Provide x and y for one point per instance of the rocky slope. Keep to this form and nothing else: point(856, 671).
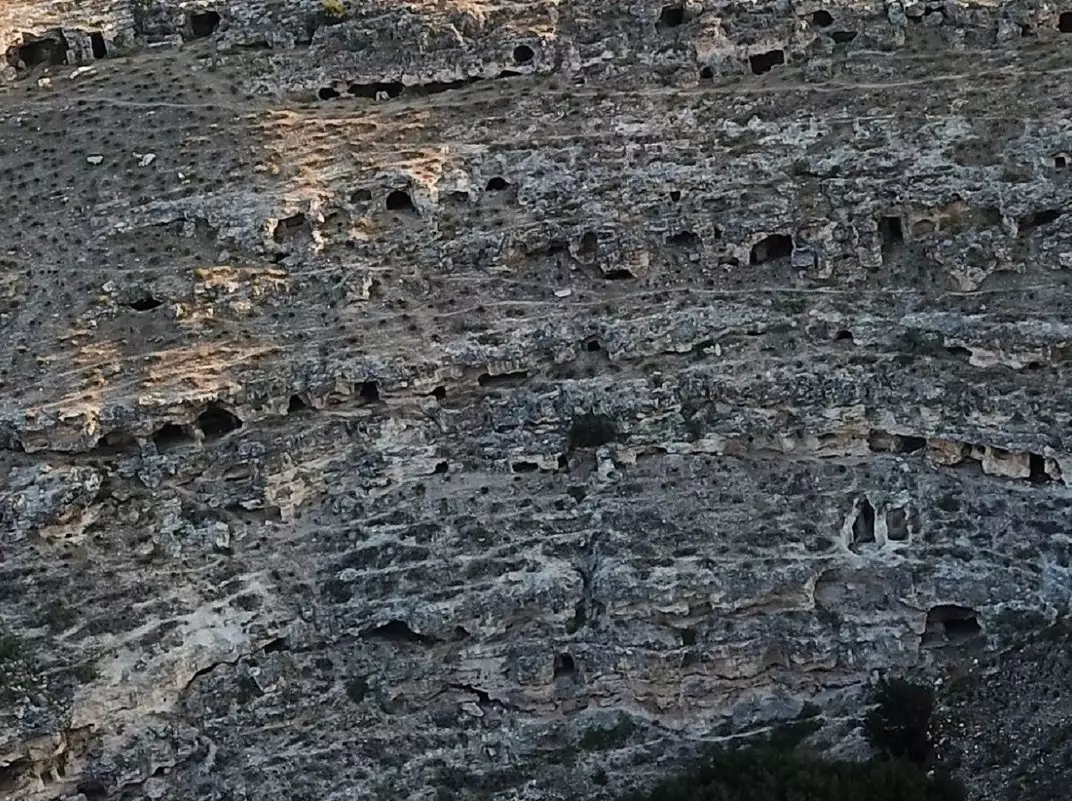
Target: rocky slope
point(471, 400)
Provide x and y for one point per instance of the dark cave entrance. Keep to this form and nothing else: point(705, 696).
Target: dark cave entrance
point(950, 624)
point(204, 23)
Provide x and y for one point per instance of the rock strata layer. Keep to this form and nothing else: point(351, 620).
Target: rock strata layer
point(413, 401)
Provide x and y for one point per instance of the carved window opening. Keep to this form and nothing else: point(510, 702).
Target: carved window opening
point(843, 37)
point(328, 93)
point(296, 405)
point(765, 62)
point(1037, 463)
point(863, 527)
point(523, 54)
point(370, 391)
point(891, 232)
point(100, 49)
point(896, 525)
point(497, 184)
point(1064, 22)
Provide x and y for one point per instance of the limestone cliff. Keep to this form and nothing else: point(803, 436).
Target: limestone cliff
point(404, 400)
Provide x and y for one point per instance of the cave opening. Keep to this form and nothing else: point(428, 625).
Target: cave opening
point(47, 50)
point(765, 62)
point(671, 16)
point(523, 54)
point(769, 248)
point(216, 421)
point(372, 90)
point(171, 436)
point(891, 232)
point(204, 23)
point(399, 200)
point(564, 665)
point(822, 18)
point(951, 624)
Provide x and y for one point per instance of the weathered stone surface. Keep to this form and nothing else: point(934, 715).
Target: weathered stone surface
point(452, 400)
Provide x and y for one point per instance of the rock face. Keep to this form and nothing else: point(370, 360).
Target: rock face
point(412, 401)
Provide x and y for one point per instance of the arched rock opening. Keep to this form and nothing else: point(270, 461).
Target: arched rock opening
point(950, 624)
point(217, 421)
point(769, 248)
point(399, 200)
point(765, 62)
point(523, 54)
point(203, 23)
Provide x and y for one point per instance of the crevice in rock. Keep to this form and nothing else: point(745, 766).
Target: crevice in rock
point(513, 379)
point(1038, 219)
point(397, 631)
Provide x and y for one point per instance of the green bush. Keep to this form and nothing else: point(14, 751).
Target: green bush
point(765, 773)
point(591, 431)
point(899, 725)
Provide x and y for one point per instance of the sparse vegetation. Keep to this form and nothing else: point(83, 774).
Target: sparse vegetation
point(335, 8)
point(780, 769)
point(765, 773)
point(59, 616)
point(591, 431)
point(899, 726)
point(357, 688)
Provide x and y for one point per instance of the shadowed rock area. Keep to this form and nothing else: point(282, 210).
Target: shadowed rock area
point(449, 401)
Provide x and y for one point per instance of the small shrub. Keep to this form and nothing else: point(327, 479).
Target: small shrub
point(899, 725)
point(765, 773)
point(591, 431)
point(59, 616)
point(335, 8)
point(356, 689)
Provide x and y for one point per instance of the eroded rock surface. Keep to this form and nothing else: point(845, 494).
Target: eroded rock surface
point(475, 400)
